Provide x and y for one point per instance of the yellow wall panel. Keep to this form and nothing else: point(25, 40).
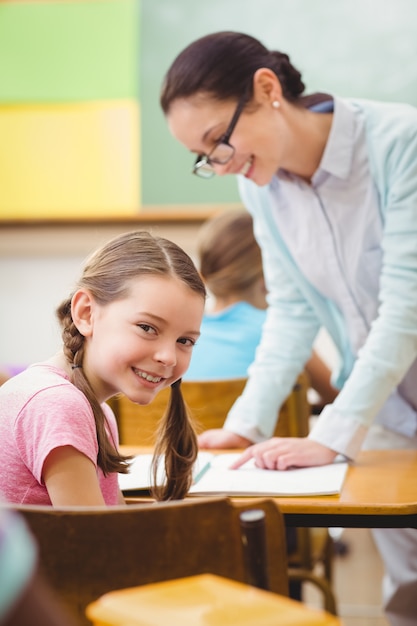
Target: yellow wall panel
point(76, 160)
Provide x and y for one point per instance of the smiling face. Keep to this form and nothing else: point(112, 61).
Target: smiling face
point(142, 343)
point(260, 137)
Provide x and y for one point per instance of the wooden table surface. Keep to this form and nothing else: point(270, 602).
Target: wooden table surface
point(202, 600)
point(380, 490)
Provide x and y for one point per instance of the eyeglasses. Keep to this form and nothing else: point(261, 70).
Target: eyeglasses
point(222, 152)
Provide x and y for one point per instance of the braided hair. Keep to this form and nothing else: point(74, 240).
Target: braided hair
point(107, 275)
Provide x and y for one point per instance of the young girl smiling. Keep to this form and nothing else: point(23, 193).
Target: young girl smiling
point(129, 327)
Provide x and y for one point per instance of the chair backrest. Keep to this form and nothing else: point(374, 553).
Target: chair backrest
point(209, 403)
point(86, 552)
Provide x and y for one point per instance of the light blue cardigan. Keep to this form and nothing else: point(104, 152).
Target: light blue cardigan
point(297, 310)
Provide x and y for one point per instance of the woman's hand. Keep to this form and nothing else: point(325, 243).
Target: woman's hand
point(221, 438)
point(280, 453)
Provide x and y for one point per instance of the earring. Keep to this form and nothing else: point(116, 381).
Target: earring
point(276, 104)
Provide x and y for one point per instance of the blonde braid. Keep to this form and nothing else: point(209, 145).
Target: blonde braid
point(108, 458)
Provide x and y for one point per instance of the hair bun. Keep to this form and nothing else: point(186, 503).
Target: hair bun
point(290, 77)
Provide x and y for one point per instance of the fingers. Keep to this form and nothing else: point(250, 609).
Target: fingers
point(244, 457)
point(256, 452)
point(278, 453)
point(281, 453)
point(274, 460)
point(271, 460)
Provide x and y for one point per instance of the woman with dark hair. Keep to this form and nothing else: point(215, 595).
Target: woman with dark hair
point(331, 184)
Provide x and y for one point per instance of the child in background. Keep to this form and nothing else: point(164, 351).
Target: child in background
point(129, 327)
point(230, 263)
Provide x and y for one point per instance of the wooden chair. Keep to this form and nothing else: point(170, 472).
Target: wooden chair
point(209, 403)
point(88, 551)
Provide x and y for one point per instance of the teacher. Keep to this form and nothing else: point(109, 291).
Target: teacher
point(331, 184)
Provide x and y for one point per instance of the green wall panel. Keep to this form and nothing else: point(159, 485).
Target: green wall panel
point(67, 51)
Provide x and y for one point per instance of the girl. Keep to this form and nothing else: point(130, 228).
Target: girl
point(332, 187)
point(129, 327)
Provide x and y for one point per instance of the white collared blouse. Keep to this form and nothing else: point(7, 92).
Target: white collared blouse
point(341, 253)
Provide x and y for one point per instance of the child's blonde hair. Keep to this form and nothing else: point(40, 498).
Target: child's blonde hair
point(230, 258)
point(107, 275)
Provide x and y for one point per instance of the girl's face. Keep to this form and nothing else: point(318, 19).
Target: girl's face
point(143, 343)
point(259, 137)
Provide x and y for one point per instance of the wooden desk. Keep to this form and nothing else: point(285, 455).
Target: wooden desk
point(380, 491)
point(202, 600)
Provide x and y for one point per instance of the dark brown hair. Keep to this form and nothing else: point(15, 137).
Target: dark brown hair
point(107, 275)
point(223, 64)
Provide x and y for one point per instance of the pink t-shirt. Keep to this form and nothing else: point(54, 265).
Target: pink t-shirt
point(40, 409)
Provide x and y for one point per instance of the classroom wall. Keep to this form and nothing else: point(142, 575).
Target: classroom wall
point(69, 109)
point(80, 83)
point(365, 48)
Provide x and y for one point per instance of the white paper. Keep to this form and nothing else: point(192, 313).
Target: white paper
point(213, 477)
point(249, 480)
point(140, 475)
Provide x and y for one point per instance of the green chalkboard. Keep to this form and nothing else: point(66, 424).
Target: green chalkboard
point(362, 48)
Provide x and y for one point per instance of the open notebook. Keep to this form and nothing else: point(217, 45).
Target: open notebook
point(212, 476)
